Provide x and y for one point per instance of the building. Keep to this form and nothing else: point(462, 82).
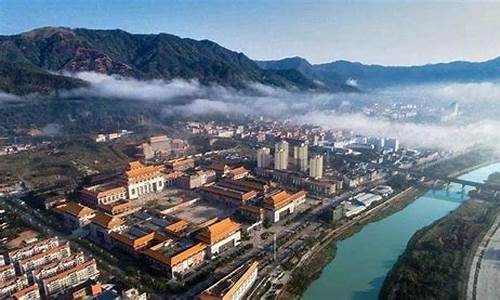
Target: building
point(220, 236)
point(9, 287)
point(264, 157)
point(161, 145)
point(392, 144)
point(180, 164)
point(297, 179)
point(281, 204)
point(316, 167)
point(105, 193)
point(247, 184)
point(31, 249)
point(31, 292)
point(75, 215)
point(58, 283)
point(300, 156)
point(101, 226)
point(133, 294)
point(89, 289)
point(56, 267)
point(135, 238)
point(172, 257)
point(141, 180)
point(234, 286)
point(281, 156)
point(7, 272)
point(119, 208)
point(34, 262)
point(196, 179)
point(225, 193)
point(238, 173)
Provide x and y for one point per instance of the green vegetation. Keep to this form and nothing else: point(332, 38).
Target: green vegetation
point(63, 166)
point(435, 263)
point(461, 163)
point(494, 178)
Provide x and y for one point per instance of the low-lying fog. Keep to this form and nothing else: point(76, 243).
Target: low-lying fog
point(478, 124)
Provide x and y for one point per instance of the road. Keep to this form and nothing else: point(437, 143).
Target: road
point(484, 278)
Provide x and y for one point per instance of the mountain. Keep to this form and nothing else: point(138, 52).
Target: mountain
point(372, 76)
point(23, 79)
point(142, 56)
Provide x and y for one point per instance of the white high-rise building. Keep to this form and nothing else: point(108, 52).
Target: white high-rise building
point(281, 156)
point(300, 154)
point(392, 143)
point(316, 167)
point(264, 157)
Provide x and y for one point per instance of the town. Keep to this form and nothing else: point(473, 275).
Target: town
point(221, 224)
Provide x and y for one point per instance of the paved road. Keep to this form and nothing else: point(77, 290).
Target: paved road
point(484, 281)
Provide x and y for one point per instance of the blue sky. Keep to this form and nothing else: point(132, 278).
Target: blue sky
point(379, 32)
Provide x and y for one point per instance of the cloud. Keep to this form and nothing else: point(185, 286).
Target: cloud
point(480, 103)
point(444, 137)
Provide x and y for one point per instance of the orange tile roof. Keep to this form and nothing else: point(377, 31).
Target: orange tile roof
point(218, 231)
point(177, 226)
point(135, 165)
point(238, 171)
point(25, 291)
point(75, 209)
point(106, 221)
point(176, 258)
point(281, 199)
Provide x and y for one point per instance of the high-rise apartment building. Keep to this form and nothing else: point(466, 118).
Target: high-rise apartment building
point(264, 157)
point(316, 167)
point(300, 154)
point(281, 156)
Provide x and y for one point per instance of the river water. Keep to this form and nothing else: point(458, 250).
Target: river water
point(364, 259)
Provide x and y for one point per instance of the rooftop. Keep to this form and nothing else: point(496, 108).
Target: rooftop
point(75, 209)
point(218, 231)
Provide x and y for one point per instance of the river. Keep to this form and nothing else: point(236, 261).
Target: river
point(363, 260)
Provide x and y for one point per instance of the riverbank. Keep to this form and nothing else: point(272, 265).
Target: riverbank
point(324, 252)
point(435, 264)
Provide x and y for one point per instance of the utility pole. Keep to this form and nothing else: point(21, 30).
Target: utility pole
point(274, 248)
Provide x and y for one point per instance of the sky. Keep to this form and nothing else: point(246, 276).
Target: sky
point(373, 32)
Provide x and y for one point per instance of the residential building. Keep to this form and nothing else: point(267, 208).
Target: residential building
point(69, 278)
point(234, 286)
point(34, 262)
point(31, 292)
point(220, 236)
point(7, 272)
point(264, 157)
point(316, 167)
point(59, 266)
point(281, 156)
point(13, 285)
point(300, 156)
point(31, 249)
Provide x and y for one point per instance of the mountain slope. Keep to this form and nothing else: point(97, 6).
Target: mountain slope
point(370, 76)
point(21, 79)
point(144, 56)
